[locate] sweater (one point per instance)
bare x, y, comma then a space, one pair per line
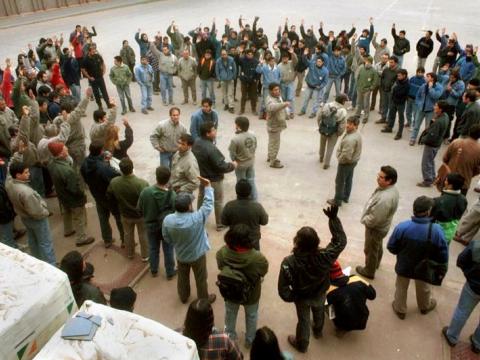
151, 200
125, 191
380, 209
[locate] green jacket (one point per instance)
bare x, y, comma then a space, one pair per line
128, 55
149, 201
251, 262
67, 183
367, 79
120, 75
125, 191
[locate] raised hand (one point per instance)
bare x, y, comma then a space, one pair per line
331, 212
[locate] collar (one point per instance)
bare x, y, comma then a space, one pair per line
422, 220
453, 192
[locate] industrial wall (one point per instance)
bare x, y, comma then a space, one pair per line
17, 7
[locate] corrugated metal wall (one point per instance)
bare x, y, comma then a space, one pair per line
16, 7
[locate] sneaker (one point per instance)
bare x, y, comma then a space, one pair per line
69, 234
381, 121
433, 305
145, 259
108, 244
276, 164
424, 184
361, 271
397, 137
241, 112
293, 341
150, 108
86, 241
231, 110
132, 110
325, 167
399, 314
411, 142
144, 111
444, 333
386, 130
364, 121
225, 107
301, 113
212, 298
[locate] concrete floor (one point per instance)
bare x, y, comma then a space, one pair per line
295, 195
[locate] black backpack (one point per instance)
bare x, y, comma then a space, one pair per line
164, 210
234, 285
328, 124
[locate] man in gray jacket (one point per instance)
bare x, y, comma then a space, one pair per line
276, 122
187, 72
167, 63
185, 172
377, 218
33, 211
242, 150
348, 154
101, 121
7, 119
165, 137
288, 63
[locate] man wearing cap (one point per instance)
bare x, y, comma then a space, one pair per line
410, 243
185, 170
185, 230
377, 218
245, 210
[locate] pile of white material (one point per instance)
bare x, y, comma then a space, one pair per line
122, 335
35, 301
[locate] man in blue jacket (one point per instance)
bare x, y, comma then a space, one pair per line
409, 241
270, 74
469, 262
226, 71
336, 69
206, 113
415, 82
316, 80
366, 37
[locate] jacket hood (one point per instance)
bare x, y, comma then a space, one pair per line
91, 163
238, 259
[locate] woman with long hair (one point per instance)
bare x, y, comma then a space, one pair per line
265, 346
118, 148
199, 326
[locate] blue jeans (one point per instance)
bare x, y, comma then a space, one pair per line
6, 235
166, 86
428, 163
103, 212
248, 173
419, 116
288, 94
154, 239
40, 240
146, 90
317, 95
467, 302
76, 92
207, 85
166, 159
352, 93
332, 80
410, 111
251, 317
400, 60
343, 182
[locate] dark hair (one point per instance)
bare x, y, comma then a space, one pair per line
207, 101
186, 138
243, 189
471, 95
124, 41
403, 72
443, 105
265, 345
40, 74
249, 51
394, 58
430, 32
390, 174
273, 85
17, 167
95, 148
66, 106
172, 109
474, 132
44, 91
341, 98
433, 76
41, 101
206, 127
199, 322
456, 180
474, 82
118, 58
208, 51
402, 32
242, 122
306, 240
384, 40
422, 205
123, 298
239, 236
455, 74
72, 265
353, 120
98, 115
421, 69
126, 166
162, 175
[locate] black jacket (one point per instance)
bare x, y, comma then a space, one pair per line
123, 145
211, 161
470, 117
388, 78
349, 302
97, 175
307, 275
400, 91
248, 69
424, 47
449, 206
7, 213
469, 262
435, 132
400, 46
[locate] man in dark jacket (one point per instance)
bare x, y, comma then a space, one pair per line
397, 103
387, 79
401, 45
97, 174
245, 211
432, 139
248, 81
471, 115
71, 195
212, 165
239, 258
412, 241
304, 277
348, 297
424, 48
469, 262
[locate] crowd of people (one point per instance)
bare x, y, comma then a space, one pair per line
43, 154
